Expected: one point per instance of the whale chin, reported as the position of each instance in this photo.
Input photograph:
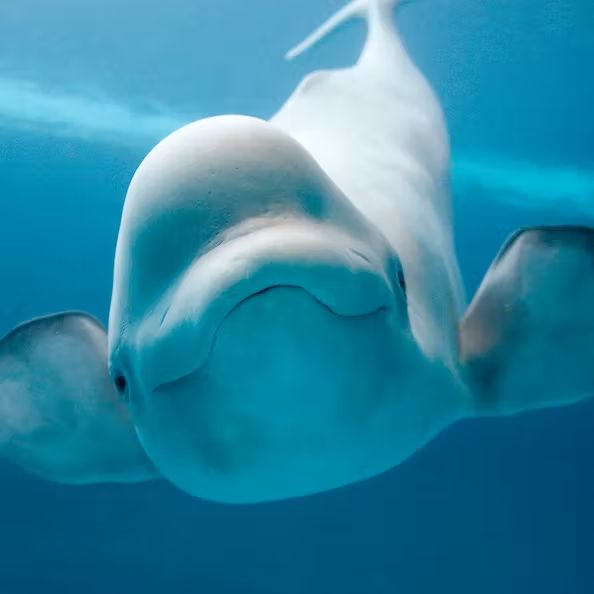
(292, 399)
(287, 342)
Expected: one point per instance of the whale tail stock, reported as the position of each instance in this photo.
(375, 12)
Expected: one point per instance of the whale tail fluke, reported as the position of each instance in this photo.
(368, 9)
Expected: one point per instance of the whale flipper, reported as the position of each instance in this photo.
(60, 416)
(527, 340)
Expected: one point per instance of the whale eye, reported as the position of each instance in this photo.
(121, 385)
(402, 281)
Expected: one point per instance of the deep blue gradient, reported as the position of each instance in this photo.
(491, 506)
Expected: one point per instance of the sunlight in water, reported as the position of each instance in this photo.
(25, 105)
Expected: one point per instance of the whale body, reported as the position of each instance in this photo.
(304, 368)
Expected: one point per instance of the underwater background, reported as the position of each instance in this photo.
(490, 506)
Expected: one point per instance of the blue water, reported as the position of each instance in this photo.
(491, 506)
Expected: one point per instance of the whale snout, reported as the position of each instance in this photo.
(332, 268)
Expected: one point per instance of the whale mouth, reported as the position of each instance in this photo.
(169, 385)
(338, 272)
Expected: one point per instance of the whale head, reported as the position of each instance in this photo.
(258, 330)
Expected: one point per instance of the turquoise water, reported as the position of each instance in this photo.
(489, 506)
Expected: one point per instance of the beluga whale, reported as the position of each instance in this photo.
(287, 312)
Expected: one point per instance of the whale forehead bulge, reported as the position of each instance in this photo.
(207, 183)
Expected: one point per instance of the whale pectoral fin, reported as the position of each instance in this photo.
(60, 417)
(527, 339)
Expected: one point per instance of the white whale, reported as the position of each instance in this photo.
(286, 308)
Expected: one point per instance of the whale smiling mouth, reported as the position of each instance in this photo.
(334, 269)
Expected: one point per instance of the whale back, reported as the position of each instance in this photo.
(378, 131)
